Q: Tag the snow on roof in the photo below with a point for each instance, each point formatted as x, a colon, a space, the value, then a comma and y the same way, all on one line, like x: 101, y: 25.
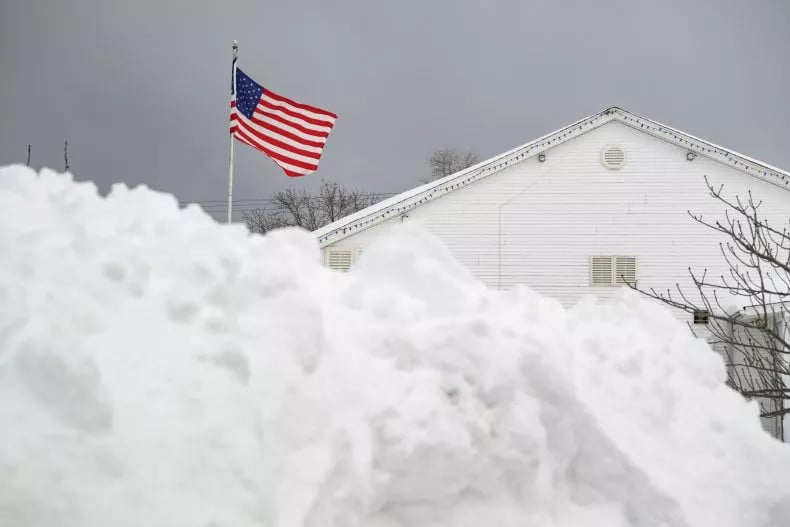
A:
x: 409, y: 199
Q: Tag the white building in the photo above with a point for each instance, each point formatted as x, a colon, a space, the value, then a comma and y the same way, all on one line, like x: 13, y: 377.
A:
x: 611, y: 185
x: 570, y: 212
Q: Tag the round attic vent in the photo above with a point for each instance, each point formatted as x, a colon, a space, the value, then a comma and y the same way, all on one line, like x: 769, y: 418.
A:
x: 613, y: 157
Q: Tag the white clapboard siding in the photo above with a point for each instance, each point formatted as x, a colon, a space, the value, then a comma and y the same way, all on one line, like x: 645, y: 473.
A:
x: 539, y: 223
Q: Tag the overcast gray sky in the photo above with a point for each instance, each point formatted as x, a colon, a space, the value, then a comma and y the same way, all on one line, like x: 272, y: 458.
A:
x: 141, y: 89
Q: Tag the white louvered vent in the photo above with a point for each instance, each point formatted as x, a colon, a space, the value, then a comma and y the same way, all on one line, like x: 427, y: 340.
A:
x: 341, y: 259
x: 613, y: 157
x: 601, y: 270
x: 612, y: 270
x: 625, y: 269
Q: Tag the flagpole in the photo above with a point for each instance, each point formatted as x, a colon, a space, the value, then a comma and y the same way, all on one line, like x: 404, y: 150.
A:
x: 230, y: 163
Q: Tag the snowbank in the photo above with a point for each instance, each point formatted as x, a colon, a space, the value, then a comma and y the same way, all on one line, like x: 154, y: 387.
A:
x: 159, y: 369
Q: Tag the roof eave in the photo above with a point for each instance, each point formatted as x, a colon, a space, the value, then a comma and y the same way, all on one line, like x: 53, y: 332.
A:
x: 405, y: 201
x: 725, y: 156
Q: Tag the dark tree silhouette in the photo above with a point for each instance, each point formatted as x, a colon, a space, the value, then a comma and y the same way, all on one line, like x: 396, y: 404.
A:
x: 310, y: 211
x: 448, y: 161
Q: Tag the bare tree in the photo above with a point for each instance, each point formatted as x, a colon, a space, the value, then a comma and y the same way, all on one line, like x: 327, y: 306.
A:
x: 28, y: 156
x: 265, y: 220
x: 754, y: 337
x: 300, y: 208
x: 446, y: 161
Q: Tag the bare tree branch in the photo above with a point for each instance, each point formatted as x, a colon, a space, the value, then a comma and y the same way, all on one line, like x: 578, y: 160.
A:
x: 753, y: 338
x: 300, y: 208
x: 446, y: 161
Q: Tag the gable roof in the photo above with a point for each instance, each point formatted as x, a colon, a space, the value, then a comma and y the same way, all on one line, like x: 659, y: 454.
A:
x: 400, y: 203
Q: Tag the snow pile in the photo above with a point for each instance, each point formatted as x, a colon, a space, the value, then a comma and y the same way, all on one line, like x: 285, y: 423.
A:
x: 159, y: 369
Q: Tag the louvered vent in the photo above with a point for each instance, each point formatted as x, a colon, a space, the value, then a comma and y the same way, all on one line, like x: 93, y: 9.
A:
x: 625, y: 269
x: 601, y: 270
x: 613, y: 157
x: 339, y: 259
x: 612, y: 270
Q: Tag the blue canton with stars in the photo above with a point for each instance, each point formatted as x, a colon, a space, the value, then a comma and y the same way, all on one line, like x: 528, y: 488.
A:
x: 248, y: 93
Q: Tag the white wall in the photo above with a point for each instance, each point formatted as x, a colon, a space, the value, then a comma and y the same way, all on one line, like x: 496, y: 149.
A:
x: 538, y: 223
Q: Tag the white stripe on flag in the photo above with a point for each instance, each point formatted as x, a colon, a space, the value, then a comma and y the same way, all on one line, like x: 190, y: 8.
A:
x: 301, y: 111
x: 245, y: 124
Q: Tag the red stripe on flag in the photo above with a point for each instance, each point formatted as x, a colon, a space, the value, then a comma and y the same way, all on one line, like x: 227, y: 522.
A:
x: 285, y: 133
x: 241, y: 132
x: 283, y: 120
x: 242, y: 140
x: 299, y: 105
x: 295, y: 115
x: 283, y: 129
x: 316, y: 141
x: 274, y: 142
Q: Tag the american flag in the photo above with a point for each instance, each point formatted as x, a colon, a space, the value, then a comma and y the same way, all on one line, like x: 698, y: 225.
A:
x: 292, y: 134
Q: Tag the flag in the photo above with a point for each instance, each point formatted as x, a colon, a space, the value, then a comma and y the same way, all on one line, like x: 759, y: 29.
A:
x: 292, y: 134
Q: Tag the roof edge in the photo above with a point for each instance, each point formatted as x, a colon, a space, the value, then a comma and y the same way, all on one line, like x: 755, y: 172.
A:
x: 726, y: 156
x: 405, y: 201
